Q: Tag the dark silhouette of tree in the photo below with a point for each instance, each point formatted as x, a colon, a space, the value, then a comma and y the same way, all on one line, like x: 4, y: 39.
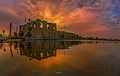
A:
x: 21, y: 34
x: 15, y: 34
x: 3, y: 32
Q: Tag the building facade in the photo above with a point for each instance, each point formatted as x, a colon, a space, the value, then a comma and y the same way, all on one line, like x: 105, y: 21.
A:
x: 40, y: 29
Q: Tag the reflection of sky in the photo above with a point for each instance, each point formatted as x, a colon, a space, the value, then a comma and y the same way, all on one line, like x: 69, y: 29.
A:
x: 87, y: 17
x: 102, y: 59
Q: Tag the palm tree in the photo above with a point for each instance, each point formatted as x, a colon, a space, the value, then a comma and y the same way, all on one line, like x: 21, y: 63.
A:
x: 3, y: 36
x: 3, y: 32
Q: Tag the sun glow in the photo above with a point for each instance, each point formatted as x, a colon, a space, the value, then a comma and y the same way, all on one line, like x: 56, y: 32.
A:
x: 47, y: 15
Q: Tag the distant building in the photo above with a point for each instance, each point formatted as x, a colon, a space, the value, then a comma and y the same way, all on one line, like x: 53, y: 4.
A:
x: 40, y: 29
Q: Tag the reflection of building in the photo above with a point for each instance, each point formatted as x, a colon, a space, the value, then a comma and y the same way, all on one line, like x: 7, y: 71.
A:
x: 34, y: 51
x: 42, y: 49
x: 1, y: 38
x: 1, y: 45
x: 43, y: 30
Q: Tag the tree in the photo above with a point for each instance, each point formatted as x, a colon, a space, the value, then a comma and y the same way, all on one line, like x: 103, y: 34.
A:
x: 21, y: 34
x: 3, y: 32
x: 15, y: 34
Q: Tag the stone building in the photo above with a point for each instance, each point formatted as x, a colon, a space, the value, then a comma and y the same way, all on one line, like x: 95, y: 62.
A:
x: 40, y: 29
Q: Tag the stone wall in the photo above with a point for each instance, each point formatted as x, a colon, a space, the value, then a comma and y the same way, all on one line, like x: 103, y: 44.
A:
x: 43, y: 29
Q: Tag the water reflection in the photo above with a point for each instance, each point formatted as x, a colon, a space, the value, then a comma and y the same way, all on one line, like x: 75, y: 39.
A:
x: 71, y: 58
x: 40, y: 49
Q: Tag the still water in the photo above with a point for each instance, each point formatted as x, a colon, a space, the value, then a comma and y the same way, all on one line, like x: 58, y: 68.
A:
x: 60, y: 58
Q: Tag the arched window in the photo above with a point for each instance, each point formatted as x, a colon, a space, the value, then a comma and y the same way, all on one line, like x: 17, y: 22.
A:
x: 41, y: 25
x: 30, y: 25
x: 54, y: 28
x: 22, y: 28
x: 48, y: 26
x: 34, y: 26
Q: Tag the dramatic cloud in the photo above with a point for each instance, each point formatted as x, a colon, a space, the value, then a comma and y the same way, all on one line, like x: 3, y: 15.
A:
x: 85, y: 17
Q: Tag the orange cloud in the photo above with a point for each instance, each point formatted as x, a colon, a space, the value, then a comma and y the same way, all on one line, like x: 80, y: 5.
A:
x: 10, y: 11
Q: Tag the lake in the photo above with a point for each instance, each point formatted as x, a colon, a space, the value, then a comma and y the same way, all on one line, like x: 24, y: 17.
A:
x: 60, y: 58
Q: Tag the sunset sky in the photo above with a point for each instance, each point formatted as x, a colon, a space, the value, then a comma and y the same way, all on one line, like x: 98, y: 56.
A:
x: 99, y: 18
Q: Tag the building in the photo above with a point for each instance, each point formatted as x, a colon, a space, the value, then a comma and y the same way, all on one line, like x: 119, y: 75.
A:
x: 40, y: 29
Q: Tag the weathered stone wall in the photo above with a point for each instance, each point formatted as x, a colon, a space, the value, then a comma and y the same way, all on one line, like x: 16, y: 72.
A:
x: 43, y: 29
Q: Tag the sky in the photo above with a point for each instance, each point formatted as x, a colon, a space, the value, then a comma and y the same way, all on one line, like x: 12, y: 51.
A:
x: 97, y: 18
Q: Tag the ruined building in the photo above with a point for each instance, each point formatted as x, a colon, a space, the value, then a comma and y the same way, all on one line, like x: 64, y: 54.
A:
x: 40, y: 29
